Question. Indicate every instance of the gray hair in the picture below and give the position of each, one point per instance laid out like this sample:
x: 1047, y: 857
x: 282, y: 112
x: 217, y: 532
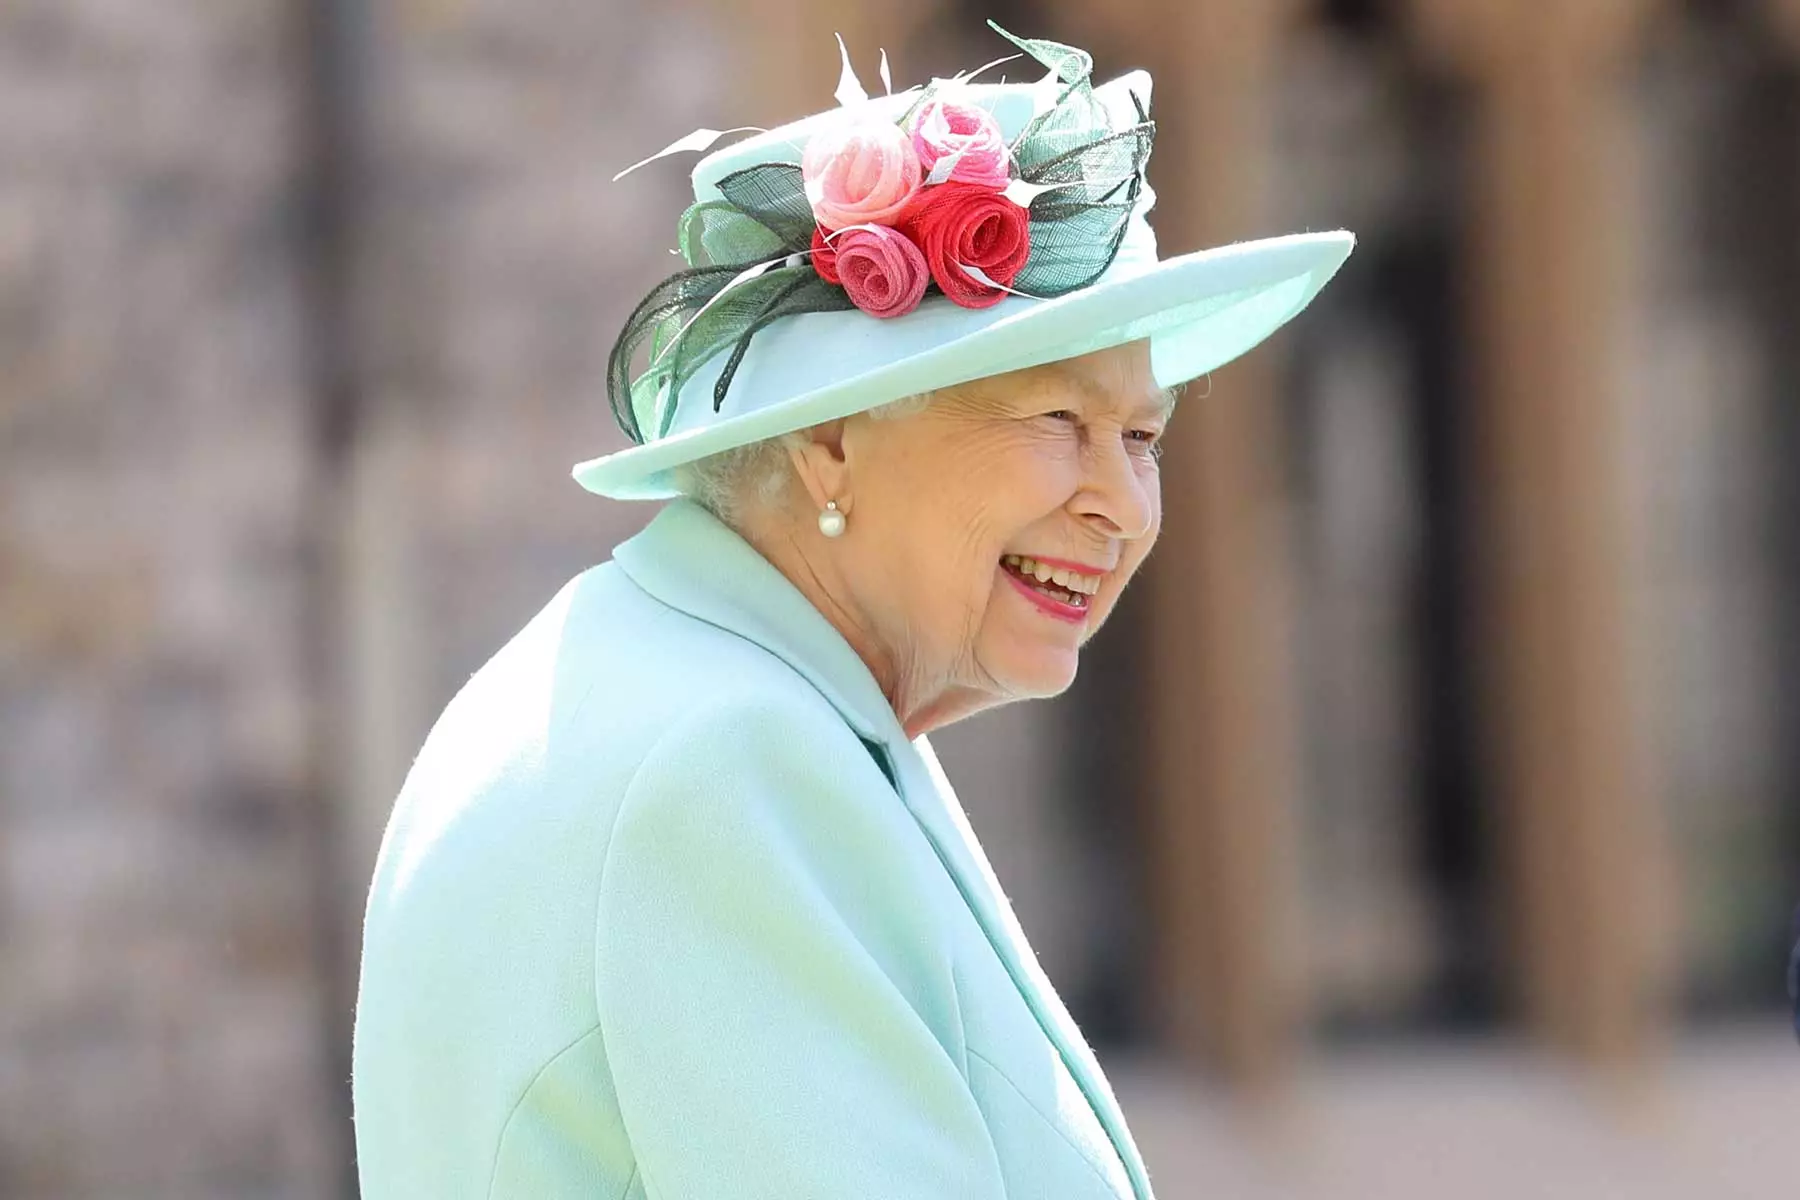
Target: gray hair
x: 732, y: 482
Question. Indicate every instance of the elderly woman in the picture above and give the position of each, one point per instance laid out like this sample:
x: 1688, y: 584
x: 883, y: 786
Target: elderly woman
x: 676, y: 902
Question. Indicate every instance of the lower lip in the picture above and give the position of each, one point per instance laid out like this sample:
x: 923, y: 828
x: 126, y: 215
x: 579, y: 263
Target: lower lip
x: 1055, y: 608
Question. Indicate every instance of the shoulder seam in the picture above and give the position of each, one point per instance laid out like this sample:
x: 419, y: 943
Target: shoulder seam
x: 962, y: 1026
x: 977, y: 1056
x: 511, y: 1113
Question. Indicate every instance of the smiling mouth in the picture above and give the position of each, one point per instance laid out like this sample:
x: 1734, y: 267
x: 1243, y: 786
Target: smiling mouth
x: 1074, y: 591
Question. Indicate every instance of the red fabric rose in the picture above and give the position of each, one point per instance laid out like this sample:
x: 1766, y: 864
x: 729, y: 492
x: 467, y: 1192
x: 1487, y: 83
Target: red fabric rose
x: 960, y: 225
x: 879, y: 267
x: 824, y: 256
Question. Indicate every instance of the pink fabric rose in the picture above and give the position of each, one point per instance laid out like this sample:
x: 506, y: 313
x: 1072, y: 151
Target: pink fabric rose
x: 968, y: 132
x: 883, y: 272
x: 860, y: 174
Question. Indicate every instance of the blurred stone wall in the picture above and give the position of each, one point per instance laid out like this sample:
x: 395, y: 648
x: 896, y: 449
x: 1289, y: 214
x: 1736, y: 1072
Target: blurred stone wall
x: 161, y: 1029
x: 225, y: 621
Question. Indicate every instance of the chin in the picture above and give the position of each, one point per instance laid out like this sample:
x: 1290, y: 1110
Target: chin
x: 1039, y: 676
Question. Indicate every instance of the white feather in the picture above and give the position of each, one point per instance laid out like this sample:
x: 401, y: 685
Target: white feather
x: 849, y: 88
x: 700, y: 139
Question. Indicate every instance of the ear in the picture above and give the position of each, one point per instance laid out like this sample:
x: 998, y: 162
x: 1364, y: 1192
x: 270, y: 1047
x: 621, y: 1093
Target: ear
x: 820, y: 463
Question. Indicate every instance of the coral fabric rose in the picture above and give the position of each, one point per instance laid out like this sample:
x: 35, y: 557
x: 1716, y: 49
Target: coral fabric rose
x: 880, y: 268
x: 860, y: 174
x: 968, y: 133
x: 961, y: 225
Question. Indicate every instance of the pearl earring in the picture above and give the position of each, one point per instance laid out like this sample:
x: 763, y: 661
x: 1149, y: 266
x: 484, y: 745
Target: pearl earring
x: 831, y: 521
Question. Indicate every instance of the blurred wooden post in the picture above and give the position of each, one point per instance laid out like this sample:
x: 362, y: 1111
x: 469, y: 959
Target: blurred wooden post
x: 1578, y: 821
x: 1785, y: 16
x: 1221, y: 745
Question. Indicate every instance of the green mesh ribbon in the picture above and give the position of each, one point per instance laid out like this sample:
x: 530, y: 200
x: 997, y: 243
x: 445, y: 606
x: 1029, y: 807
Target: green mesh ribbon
x: 748, y: 253
x: 693, y: 316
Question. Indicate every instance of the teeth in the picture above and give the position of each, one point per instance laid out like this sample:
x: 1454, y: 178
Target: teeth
x: 1070, y: 581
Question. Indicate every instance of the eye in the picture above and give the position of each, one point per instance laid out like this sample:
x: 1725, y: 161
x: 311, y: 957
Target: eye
x: 1060, y: 414
x: 1147, y: 441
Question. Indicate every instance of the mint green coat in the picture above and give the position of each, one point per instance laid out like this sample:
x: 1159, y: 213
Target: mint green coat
x: 670, y: 907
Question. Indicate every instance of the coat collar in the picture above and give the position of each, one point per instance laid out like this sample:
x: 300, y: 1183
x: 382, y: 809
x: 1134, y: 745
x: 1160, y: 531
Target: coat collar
x: 692, y: 561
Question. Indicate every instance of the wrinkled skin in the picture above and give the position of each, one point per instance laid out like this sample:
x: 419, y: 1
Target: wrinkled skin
x: 1057, y: 461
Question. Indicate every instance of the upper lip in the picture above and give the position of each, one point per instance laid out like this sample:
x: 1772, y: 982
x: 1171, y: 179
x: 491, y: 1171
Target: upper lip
x: 1064, y: 563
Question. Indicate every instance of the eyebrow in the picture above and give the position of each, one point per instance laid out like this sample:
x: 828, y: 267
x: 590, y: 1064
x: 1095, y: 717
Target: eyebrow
x: 1160, y: 403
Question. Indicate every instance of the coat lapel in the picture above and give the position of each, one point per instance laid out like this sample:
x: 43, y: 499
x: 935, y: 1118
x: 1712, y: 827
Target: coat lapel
x: 927, y: 793
x: 691, y: 561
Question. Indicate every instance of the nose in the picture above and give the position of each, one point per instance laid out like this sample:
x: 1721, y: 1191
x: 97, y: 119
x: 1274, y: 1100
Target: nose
x: 1116, y: 495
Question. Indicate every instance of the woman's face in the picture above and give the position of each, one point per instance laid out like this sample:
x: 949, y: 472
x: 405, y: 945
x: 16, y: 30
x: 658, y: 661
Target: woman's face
x: 958, y: 512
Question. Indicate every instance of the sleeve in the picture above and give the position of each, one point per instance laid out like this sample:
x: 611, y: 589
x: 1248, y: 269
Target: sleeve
x: 765, y: 967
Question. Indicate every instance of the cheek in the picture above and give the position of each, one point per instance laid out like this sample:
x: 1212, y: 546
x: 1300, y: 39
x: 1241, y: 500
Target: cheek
x: 991, y: 490
x: 1130, y: 560
x: 944, y: 591
x: 1050, y: 467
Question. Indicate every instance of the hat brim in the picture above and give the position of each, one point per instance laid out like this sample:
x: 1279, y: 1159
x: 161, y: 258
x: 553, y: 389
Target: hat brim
x: 1199, y: 311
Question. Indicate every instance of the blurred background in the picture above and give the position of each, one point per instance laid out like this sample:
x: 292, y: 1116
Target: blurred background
x: 1428, y: 819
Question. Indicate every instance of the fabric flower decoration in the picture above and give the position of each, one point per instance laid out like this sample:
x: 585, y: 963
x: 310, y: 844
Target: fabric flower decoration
x: 824, y: 256
x: 962, y: 225
x: 969, y: 137
x: 882, y: 208
x: 860, y: 174
x: 878, y: 267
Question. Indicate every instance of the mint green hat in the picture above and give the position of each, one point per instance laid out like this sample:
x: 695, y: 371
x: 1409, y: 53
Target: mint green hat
x: 761, y: 335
